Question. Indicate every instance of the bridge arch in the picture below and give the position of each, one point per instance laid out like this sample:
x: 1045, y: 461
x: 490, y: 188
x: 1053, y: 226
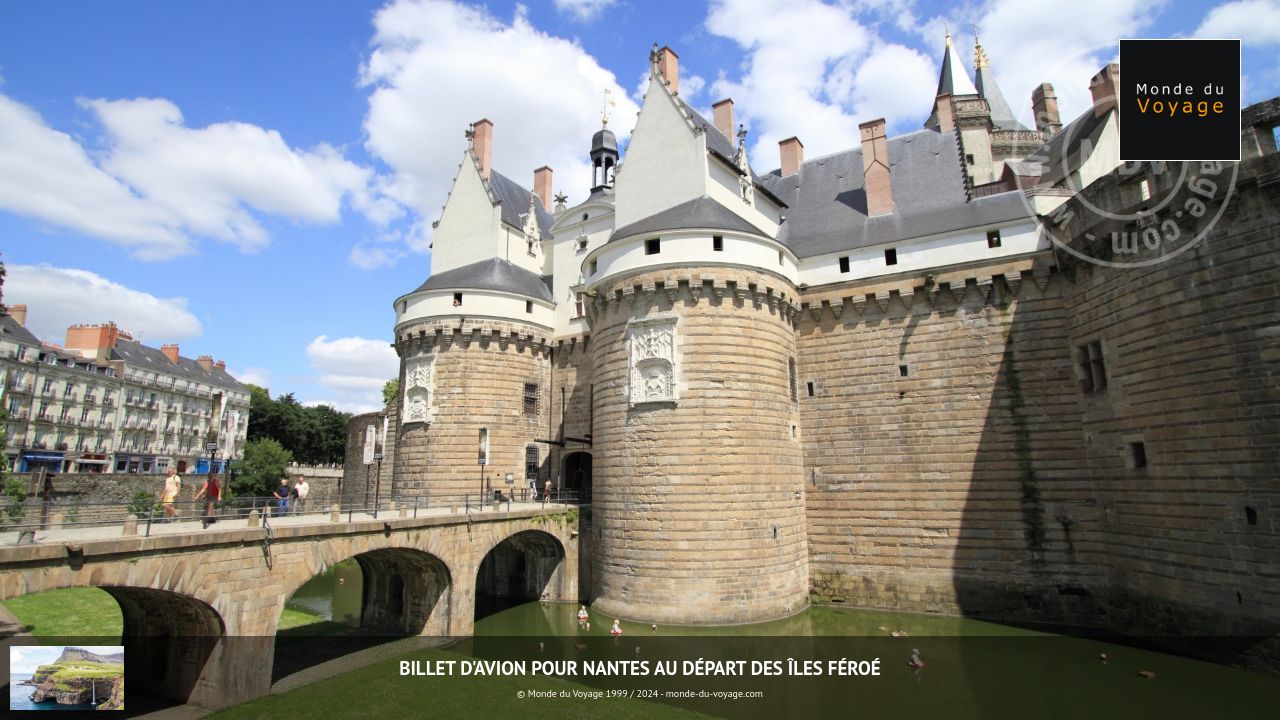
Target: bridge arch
x: 526, y: 566
x: 168, y: 640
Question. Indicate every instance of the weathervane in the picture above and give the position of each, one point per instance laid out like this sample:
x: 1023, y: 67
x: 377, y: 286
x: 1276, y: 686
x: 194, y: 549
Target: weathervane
x: 608, y: 103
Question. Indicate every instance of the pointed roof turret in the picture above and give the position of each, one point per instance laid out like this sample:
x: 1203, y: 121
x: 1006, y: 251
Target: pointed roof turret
x: 952, y: 80
x: 1001, y: 116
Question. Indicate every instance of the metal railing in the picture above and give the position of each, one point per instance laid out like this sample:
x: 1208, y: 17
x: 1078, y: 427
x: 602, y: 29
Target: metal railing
x: 38, y: 514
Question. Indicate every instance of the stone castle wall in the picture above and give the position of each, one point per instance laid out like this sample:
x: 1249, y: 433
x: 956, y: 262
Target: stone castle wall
x: 698, y: 504
x: 570, y: 405
x: 940, y: 445
x: 478, y: 378
x: 1191, y: 346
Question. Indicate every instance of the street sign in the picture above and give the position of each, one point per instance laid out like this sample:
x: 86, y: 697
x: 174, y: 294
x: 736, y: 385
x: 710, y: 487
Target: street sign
x: 377, y: 457
x: 211, y: 447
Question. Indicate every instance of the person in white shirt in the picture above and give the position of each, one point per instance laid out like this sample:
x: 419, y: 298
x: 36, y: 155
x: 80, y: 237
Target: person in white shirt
x: 300, y: 490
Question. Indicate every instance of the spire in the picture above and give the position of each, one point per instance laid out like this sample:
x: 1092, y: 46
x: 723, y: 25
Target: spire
x: 952, y: 80
x: 1001, y: 116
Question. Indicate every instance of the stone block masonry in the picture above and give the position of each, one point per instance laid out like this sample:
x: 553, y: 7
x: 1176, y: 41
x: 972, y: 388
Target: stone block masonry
x: 698, y: 503
x: 479, y: 380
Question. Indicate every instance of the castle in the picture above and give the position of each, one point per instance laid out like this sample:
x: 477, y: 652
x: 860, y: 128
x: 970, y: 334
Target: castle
x: 868, y: 377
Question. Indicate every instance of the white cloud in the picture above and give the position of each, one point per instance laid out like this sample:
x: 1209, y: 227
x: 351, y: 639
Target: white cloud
x: 583, y: 10
x: 436, y: 67
x: 1256, y: 22
x: 59, y: 297
x: 352, y: 370
x: 156, y: 183
x: 252, y: 376
x: 1029, y: 45
x: 815, y: 71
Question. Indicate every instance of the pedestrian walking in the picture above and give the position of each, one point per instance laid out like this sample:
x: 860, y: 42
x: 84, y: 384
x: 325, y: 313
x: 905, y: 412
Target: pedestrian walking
x: 211, y: 491
x: 546, y: 491
x: 172, y: 486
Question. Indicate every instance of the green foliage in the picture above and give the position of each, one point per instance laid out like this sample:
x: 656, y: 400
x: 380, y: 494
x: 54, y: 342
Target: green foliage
x: 260, y: 471
x: 314, y: 434
x: 142, y: 503
x: 15, y: 493
x: 390, y: 391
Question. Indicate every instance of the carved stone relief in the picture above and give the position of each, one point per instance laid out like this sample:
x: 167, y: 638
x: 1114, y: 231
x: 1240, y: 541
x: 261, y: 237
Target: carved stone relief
x: 653, y: 360
x: 417, y: 390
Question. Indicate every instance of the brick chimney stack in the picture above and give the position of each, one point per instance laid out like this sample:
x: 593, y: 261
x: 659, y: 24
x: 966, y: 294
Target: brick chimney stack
x: 19, y: 313
x: 93, y: 340
x: 221, y: 365
x: 482, y: 145
x: 669, y: 68
x: 542, y: 186
x: 1044, y: 106
x: 722, y: 115
x: 792, y: 151
x: 942, y: 108
x: 875, y: 168
x: 205, y: 362
x: 171, y: 352
x: 1105, y: 87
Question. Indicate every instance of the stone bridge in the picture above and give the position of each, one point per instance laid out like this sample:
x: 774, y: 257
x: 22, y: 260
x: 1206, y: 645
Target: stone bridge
x: 200, y: 609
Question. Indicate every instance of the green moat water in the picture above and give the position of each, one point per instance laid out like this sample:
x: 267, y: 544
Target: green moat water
x: 972, y: 668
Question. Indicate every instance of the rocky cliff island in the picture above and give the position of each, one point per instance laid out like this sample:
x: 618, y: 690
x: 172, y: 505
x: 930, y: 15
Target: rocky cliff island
x: 78, y: 677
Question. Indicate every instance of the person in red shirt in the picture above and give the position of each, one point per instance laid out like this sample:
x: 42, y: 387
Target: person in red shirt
x: 210, y: 491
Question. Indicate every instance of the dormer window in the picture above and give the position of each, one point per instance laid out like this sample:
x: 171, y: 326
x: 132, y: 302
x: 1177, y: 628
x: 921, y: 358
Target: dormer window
x: 531, y: 252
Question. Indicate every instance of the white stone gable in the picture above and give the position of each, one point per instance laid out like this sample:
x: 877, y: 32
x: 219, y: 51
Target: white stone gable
x: 470, y: 227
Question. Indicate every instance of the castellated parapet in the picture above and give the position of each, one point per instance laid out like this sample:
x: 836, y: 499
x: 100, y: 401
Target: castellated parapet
x: 457, y: 377
x: 698, y: 491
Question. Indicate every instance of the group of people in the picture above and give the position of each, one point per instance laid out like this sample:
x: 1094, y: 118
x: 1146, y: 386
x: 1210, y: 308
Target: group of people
x: 288, y: 499
x: 291, y: 499
x: 210, y: 492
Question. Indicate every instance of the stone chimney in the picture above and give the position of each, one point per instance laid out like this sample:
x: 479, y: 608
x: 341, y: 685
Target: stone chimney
x: 221, y: 365
x: 942, y: 108
x: 875, y: 168
x: 669, y: 68
x: 205, y: 362
x: 482, y: 145
x: 1105, y: 87
x: 171, y: 352
x: 722, y: 115
x: 19, y: 313
x: 792, y: 151
x: 1044, y: 106
x: 542, y: 186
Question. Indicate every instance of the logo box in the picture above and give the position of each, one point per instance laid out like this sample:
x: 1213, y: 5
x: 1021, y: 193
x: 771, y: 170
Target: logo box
x: 1179, y: 100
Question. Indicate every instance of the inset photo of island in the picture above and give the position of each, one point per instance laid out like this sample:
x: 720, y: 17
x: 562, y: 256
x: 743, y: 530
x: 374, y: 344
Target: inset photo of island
x: 65, y: 677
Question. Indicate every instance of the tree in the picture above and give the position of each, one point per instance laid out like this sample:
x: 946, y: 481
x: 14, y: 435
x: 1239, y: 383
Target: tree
x: 390, y: 391
x: 259, y: 473
x: 314, y: 434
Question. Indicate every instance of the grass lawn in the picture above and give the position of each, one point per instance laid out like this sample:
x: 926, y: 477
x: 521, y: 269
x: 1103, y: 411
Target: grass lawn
x: 378, y: 691
x: 70, y: 612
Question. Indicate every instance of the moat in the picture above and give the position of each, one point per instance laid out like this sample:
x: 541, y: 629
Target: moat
x: 972, y: 668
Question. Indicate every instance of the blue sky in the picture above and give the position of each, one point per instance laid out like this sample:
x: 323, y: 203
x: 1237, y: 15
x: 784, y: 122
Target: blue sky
x: 256, y: 181
x: 24, y: 659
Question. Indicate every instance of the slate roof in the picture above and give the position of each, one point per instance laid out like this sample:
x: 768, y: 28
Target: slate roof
x: 702, y: 212
x: 1063, y: 149
x: 136, y: 354
x: 515, y: 203
x: 13, y: 329
x: 829, y: 205
x: 492, y: 274
x: 1001, y: 116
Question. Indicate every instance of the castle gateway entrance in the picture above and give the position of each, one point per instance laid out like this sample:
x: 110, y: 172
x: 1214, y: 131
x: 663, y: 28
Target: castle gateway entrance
x: 577, y: 475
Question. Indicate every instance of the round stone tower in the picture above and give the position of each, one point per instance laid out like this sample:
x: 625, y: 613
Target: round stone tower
x: 698, y: 497
x: 474, y: 383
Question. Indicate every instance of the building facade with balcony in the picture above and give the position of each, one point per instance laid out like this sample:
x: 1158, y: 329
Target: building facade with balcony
x: 106, y: 403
